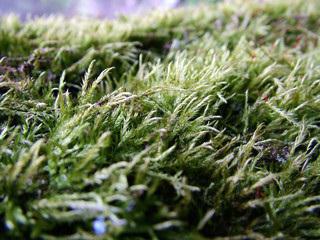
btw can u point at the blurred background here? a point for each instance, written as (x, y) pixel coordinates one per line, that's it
(90, 8)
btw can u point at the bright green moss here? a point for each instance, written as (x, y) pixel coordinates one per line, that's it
(191, 124)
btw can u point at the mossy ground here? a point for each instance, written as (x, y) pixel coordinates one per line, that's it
(195, 123)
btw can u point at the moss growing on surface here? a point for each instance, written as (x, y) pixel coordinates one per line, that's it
(197, 123)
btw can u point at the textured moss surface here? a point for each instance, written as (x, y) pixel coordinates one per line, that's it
(196, 123)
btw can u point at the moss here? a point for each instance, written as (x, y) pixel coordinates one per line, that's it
(196, 123)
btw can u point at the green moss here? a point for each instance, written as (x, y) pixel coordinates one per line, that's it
(196, 123)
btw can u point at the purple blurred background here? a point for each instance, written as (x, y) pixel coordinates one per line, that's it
(92, 8)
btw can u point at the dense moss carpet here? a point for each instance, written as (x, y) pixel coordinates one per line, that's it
(196, 123)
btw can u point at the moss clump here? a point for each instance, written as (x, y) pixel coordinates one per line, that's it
(191, 124)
